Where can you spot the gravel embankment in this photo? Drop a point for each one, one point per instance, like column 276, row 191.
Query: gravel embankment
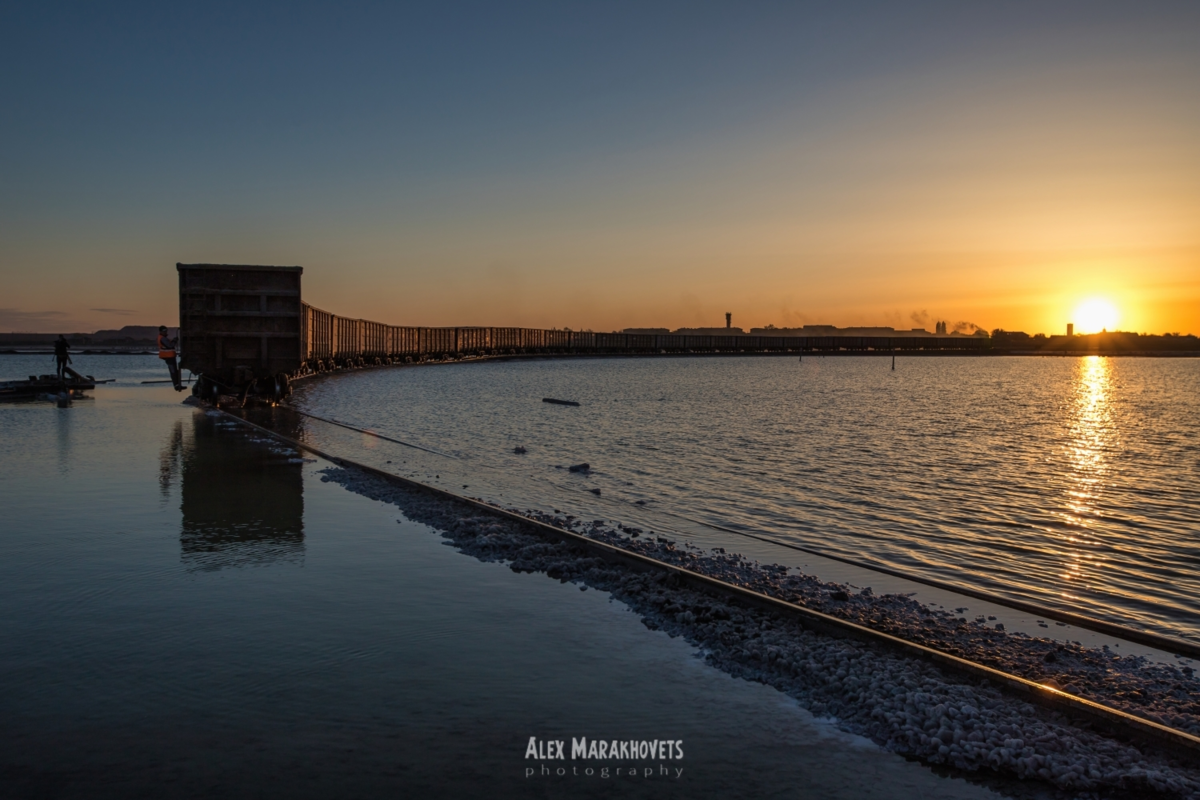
column 1166, row 694
column 905, row 704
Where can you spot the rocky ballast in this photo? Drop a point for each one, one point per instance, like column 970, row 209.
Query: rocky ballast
column 907, row 705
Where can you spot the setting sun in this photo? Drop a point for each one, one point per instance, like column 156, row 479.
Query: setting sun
column 1093, row 316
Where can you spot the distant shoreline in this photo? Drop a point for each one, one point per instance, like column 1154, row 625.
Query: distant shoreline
column 797, row 354
column 109, row 351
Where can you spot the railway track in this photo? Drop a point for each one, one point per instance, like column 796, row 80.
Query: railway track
column 1114, row 721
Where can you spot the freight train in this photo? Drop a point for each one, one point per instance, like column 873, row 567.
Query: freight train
column 244, row 329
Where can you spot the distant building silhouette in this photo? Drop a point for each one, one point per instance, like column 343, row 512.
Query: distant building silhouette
column 710, row 331
column 941, row 328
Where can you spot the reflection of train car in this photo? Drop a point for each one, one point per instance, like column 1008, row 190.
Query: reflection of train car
column 242, row 504
column 244, row 329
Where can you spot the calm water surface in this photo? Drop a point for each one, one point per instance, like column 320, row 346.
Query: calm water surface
column 1073, row 482
column 125, row 370
column 187, row 610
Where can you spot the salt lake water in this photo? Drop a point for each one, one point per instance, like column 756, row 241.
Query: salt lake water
column 1070, row 482
column 187, row 610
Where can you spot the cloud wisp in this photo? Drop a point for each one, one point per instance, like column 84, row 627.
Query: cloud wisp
column 15, row 320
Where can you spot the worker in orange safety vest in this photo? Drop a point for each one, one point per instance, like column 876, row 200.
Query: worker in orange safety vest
column 166, row 351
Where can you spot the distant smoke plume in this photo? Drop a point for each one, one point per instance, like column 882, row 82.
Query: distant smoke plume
column 966, row 327
column 920, row 318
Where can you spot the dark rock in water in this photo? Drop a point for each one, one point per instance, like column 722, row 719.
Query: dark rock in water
column 580, row 467
column 999, row 626
column 839, row 596
column 520, row 450
column 1049, row 658
column 595, row 492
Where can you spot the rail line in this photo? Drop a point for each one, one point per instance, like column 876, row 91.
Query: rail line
column 327, row 337
column 1112, row 720
column 371, row 433
column 1159, row 641
column 245, row 329
column 1156, row 640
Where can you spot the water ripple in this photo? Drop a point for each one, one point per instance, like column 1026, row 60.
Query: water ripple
column 1064, row 481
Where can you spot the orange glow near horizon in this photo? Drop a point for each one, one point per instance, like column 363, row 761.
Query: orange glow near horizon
column 976, row 187
column 1095, row 315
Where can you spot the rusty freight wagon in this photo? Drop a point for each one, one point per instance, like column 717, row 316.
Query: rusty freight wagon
column 244, row 330
column 240, row 327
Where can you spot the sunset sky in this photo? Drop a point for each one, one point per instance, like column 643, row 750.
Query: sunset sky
column 608, row 165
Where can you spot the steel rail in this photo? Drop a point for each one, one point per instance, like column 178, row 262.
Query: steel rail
column 1115, row 721
column 1157, row 640
column 371, row 433
column 1169, row 644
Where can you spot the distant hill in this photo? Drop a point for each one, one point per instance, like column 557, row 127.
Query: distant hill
column 139, row 336
column 136, row 332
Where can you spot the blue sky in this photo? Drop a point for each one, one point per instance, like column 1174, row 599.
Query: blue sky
column 604, row 165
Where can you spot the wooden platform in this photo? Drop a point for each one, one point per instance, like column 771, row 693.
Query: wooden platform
column 39, row 385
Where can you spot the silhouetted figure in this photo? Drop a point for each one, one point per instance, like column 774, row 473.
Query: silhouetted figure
column 62, row 355
column 166, row 351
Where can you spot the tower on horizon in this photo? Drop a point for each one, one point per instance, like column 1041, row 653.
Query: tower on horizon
column 1070, row 329
column 728, row 319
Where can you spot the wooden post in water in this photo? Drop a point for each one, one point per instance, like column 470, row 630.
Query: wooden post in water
column 893, row 361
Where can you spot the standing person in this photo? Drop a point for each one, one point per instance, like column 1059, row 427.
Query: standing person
column 166, row 351
column 62, row 354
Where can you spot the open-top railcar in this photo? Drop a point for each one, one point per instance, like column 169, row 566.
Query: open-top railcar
column 245, row 329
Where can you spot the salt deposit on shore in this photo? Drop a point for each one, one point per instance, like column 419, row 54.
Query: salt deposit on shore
column 904, row 704
column 1167, row 694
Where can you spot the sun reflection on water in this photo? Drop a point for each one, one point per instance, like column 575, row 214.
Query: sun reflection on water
column 1090, row 442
